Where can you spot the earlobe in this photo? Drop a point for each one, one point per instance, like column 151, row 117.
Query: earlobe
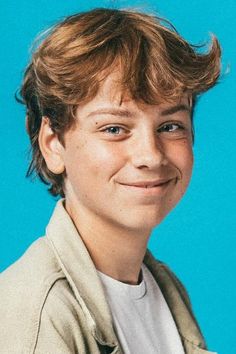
column 51, row 147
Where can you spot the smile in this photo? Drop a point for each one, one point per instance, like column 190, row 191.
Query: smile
column 153, row 188
column 148, row 184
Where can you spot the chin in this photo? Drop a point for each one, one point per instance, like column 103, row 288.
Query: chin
column 144, row 219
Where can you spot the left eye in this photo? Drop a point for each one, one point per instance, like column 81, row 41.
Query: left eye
column 170, row 127
column 114, row 130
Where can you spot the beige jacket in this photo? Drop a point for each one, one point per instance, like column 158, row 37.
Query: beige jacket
column 52, row 301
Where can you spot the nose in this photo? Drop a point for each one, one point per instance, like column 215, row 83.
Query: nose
column 148, row 152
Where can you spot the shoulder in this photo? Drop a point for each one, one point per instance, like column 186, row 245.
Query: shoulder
column 24, row 287
column 36, row 268
column 38, row 309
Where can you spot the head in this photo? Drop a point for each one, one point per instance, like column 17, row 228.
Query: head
column 140, row 57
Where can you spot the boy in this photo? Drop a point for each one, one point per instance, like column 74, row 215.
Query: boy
column 110, row 96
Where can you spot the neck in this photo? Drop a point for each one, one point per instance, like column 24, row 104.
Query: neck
column 115, row 250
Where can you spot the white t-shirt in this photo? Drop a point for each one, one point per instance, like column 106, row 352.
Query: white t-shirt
column 142, row 319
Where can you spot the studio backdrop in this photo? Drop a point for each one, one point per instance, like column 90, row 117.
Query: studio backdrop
column 198, row 238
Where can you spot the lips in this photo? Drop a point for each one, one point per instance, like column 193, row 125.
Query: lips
column 148, row 184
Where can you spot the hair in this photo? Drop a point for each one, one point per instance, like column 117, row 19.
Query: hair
column 70, row 64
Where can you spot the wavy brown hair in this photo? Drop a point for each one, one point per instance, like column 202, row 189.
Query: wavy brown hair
column 69, row 65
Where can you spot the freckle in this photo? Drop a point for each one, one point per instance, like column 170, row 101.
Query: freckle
column 96, row 122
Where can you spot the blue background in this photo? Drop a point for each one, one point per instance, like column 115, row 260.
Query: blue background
column 198, row 238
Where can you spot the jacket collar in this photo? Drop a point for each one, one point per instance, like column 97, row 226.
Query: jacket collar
column 81, row 274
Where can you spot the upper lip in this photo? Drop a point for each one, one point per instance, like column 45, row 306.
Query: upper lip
column 148, row 184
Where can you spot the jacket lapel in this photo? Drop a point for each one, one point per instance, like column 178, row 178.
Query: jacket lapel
column 179, row 305
column 81, row 274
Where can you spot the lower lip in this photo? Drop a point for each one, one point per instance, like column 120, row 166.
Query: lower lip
column 153, row 191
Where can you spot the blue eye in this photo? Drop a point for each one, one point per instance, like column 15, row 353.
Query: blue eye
column 113, row 130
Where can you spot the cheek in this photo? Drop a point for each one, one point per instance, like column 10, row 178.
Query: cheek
column 181, row 156
column 185, row 160
column 89, row 158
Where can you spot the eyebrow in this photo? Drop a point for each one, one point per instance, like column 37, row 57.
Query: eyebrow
column 113, row 111
column 175, row 109
column 128, row 114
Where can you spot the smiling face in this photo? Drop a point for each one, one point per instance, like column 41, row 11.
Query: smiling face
column 127, row 164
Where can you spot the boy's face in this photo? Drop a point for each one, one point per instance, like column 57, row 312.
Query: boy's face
column 118, row 150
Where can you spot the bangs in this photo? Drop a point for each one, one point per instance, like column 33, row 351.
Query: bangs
column 155, row 63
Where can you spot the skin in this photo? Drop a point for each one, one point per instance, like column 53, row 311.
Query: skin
column 114, row 145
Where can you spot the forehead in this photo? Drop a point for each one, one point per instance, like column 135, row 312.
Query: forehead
column 112, row 95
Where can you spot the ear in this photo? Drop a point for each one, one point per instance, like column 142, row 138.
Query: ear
column 51, row 148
